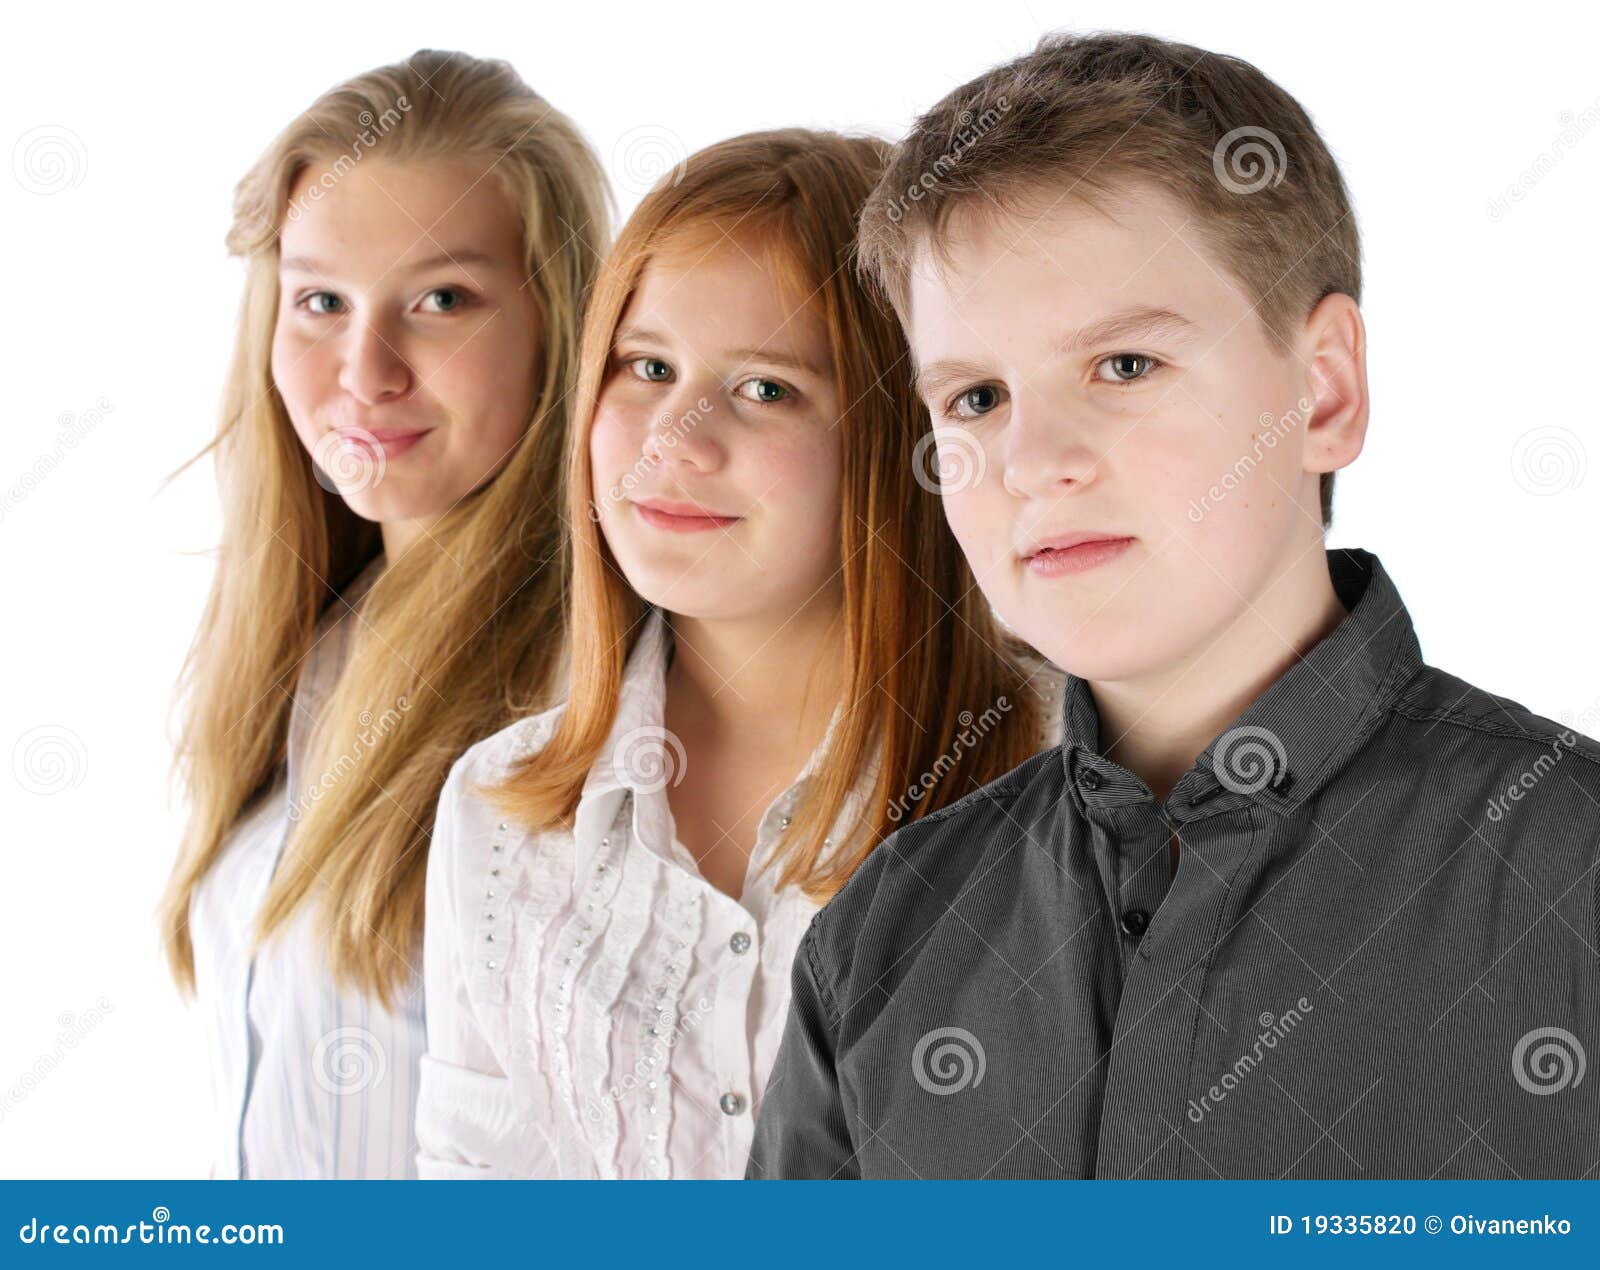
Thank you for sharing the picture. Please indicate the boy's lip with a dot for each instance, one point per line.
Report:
(1061, 542)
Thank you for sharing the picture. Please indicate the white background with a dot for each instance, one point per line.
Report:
(1473, 487)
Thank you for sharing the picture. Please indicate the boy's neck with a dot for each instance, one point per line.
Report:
(1157, 725)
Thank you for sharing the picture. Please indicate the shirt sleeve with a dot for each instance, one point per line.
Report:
(468, 1122)
(801, 1130)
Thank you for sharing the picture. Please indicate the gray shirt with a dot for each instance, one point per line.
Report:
(1377, 958)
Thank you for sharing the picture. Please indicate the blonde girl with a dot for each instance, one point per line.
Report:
(419, 245)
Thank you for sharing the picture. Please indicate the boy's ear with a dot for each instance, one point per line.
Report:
(1334, 352)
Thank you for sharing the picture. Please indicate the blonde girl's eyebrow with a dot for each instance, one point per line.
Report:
(444, 259)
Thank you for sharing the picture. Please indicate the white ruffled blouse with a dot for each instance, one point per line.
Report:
(595, 1007)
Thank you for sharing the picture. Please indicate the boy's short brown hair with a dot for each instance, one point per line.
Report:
(1085, 116)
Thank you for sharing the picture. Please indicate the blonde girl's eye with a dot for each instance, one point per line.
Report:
(765, 391)
(321, 303)
(974, 403)
(650, 368)
(1125, 368)
(449, 299)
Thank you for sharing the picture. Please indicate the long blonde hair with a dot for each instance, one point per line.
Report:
(462, 633)
(924, 653)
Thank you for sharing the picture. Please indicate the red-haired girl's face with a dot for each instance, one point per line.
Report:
(715, 447)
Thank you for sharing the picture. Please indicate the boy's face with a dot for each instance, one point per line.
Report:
(1174, 428)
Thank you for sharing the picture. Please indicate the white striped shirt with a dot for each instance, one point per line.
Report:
(308, 1080)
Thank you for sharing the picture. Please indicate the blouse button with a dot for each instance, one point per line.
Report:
(731, 1104)
(784, 823)
(739, 942)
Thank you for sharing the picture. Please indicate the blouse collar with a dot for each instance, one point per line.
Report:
(641, 759)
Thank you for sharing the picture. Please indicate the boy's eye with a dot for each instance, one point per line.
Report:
(449, 299)
(765, 391)
(976, 401)
(1124, 368)
(314, 303)
(651, 368)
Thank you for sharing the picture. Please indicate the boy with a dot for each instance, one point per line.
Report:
(1286, 902)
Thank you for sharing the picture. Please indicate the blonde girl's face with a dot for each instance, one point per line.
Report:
(407, 345)
(715, 447)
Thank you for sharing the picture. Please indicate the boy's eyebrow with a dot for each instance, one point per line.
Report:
(466, 256)
(1142, 320)
(930, 378)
